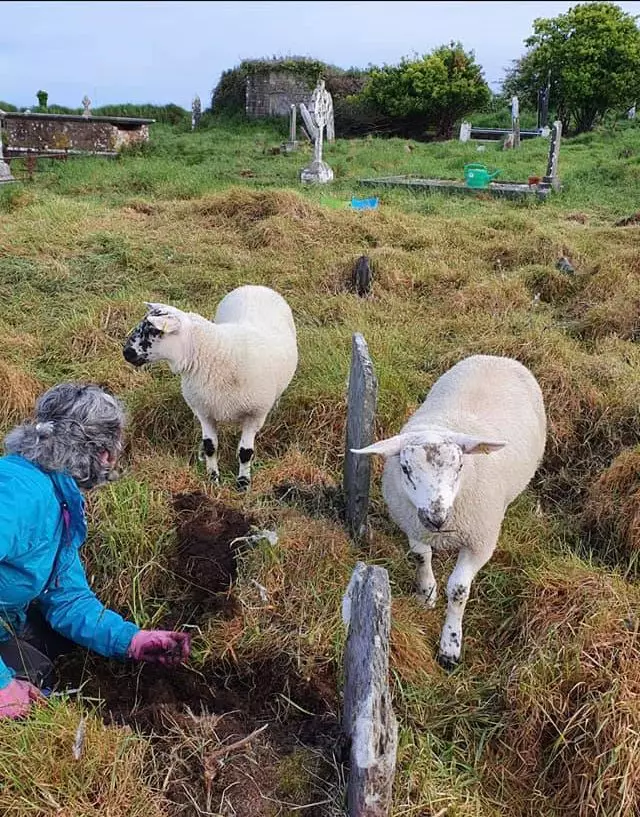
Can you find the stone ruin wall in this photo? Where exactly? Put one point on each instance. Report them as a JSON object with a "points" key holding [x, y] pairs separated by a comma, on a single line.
{"points": [[272, 93]]}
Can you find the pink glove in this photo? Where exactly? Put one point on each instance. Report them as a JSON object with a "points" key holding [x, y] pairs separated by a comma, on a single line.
{"points": [[16, 699], [160, 647]]}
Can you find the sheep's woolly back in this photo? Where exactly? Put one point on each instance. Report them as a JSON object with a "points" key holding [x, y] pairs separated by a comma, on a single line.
{"points": [[257, 306], [241, 363]]}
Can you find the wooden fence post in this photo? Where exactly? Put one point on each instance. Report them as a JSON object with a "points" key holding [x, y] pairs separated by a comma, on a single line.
{"points": [[361, 412], [368, 720]]}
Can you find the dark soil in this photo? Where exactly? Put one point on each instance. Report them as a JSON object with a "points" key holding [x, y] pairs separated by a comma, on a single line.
{"points": [[210, 536], [189, 711]]}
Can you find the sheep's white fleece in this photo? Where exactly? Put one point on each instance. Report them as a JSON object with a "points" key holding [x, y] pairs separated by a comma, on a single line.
{"points": [[237, 366], [491, 398]]}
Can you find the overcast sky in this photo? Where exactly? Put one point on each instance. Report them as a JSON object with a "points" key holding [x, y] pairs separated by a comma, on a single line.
{"points": [[168, 51]]}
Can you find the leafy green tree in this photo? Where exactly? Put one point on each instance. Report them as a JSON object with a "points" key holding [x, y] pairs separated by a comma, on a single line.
{"points": [[591, 55], [435, 90], [43, 99]]}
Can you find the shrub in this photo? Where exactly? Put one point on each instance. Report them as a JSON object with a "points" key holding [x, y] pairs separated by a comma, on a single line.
{"points": [[435, 90]]}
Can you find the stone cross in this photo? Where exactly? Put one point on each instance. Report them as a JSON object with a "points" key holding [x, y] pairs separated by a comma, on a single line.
{"points": [[321, 114], [196, 112], [5, 170], [86, 102], [551, 179], [361, 414]]}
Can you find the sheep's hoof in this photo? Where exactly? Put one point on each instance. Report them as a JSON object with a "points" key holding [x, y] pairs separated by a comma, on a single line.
{"points": [[214, 477], [427, 598], [243, 483], [447, 662]]}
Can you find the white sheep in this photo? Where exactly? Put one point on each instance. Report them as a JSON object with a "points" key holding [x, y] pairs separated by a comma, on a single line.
{"points": [[233, 369], [443, 498]]}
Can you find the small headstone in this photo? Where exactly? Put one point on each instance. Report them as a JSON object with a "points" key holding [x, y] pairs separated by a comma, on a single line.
{"points": [[465, 131], [368, 720], [508, 141], [361, 278], [515, 121], [361, 413], [292, 144], [631, 113], [322, 110], [196, 112], [552, 179], [86, 103]]}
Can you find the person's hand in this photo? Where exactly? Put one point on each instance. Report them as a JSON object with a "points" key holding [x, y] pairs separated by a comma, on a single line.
{"points": [[17, 697], [160, 647]]}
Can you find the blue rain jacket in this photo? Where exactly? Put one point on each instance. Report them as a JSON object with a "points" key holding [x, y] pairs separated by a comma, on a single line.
{"points": [[40, 561]]}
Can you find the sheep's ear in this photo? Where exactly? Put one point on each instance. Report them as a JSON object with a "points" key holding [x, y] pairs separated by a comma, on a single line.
{"points": [[477, 445], [388, 448], [165, 323]]}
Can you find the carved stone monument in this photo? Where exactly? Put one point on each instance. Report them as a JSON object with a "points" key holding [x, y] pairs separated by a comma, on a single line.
{"points": [[292, 144], [5, 170], [86, 103], [320, 116], [196, 112]]}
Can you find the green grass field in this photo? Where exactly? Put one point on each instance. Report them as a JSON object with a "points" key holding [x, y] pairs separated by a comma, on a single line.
{"points": [[543, 715]]}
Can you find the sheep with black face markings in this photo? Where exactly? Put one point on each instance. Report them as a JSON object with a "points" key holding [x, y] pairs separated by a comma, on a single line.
{"points": [[233, 369], [441, 490]]}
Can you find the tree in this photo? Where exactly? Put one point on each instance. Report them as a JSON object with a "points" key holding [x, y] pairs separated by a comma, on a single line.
{"points": [[43, 99], [434, 90], [591, 55]]}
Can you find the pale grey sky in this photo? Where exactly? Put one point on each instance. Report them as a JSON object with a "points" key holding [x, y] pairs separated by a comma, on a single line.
{"points": [[168, 51]]}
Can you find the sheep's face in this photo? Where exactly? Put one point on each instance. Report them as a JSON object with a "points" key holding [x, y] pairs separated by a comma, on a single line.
{"points": [[431, 480], [431, 465], [155, 337]]}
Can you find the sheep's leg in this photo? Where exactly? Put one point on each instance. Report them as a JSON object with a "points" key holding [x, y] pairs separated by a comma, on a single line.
{"points": [[246, 451], [426, 589], [458, 588], [210, 449]]}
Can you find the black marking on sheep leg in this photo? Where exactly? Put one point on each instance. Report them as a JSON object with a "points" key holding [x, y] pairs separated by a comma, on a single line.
{"points": [[209, 447], [243, 483], [245, 455], [447, 662]]}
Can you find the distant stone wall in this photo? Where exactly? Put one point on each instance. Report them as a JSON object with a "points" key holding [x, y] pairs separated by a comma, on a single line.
{"points": [[42, 133], [272, 93]]}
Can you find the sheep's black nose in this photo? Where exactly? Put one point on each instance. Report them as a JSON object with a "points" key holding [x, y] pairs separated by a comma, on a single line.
{"points": [[431, 521], [131, 356]]}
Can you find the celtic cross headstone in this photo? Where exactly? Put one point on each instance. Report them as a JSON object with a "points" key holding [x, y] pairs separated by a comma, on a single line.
{"points": [[321, 116]]}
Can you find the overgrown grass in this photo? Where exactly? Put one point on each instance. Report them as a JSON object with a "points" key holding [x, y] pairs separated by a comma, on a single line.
{"points": [[543, 716]]}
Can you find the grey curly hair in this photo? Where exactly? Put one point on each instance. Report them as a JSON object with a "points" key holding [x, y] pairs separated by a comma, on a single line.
{"points": [[74, 425]]}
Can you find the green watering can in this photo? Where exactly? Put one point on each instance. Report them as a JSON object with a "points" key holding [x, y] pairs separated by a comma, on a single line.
{"points": [[477, 175]]}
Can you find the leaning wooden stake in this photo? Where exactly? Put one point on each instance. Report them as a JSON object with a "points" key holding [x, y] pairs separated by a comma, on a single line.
{"points": [[368, 720], [361, 413]]}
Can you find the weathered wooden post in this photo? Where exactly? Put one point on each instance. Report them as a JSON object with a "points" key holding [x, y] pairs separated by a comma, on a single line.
{"points": [[361, 412], [551, 179], [515, 121], [368, 720]]}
